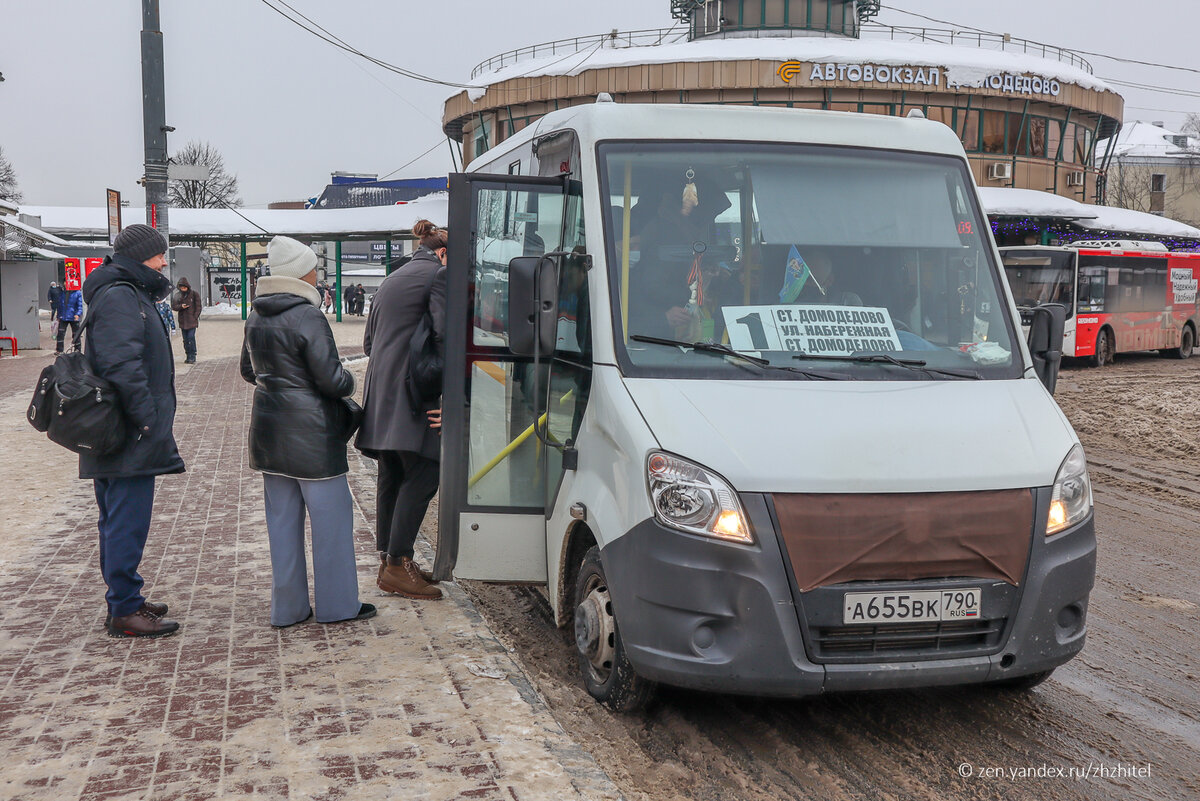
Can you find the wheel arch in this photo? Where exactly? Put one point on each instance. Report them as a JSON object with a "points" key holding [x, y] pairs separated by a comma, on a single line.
{"points": [[576, 542]]}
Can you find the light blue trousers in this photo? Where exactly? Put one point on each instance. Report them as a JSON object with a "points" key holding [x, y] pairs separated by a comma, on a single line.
{"points": [[335, 578]]}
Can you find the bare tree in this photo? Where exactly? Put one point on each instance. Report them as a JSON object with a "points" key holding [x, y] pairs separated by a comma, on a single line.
{"points": [[218, 191], [8, 180], [1191, 125]]}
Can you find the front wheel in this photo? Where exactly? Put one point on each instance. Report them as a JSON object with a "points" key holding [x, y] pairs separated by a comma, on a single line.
{"points": [[607, 673], [1105, 349]]}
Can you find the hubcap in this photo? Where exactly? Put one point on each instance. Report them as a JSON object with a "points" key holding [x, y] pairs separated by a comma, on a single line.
{"points": [[595, 630]]}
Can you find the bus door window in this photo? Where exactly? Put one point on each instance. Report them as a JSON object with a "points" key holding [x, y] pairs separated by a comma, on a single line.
{"points": [[504, 458], [570, 371]]}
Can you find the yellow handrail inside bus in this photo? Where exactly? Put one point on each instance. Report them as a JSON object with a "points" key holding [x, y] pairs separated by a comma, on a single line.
{"points": [[512, 446]]}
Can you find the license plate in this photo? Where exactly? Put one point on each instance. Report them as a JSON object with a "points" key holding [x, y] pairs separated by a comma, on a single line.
{"points": [[917, 606]]}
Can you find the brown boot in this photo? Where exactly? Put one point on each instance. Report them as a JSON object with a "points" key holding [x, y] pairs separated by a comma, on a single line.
{"points": [[142, 623], [383, 560], [402, 577]]}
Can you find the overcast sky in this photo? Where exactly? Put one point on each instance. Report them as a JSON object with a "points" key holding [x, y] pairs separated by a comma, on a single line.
{"points": [[286, 109]]}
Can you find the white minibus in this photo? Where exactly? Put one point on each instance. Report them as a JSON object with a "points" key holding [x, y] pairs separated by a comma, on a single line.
{"points": [[746, 391]]}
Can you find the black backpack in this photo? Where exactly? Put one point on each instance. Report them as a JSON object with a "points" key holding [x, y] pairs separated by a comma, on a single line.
{"points": [[423, 381], [75, 407]]}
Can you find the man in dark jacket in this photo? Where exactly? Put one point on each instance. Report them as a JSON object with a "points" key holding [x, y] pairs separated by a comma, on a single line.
{"points": [[187, 302], [127, 343], [54, 293]]}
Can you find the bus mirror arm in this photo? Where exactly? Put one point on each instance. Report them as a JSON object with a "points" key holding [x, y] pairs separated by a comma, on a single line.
{"points": [[1046, 341]]}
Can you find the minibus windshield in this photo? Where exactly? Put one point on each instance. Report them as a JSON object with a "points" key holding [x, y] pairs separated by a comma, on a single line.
{"points": [[784, 250]]}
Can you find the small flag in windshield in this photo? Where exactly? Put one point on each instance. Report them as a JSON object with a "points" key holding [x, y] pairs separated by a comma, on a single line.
{"points": [[795, 274]]}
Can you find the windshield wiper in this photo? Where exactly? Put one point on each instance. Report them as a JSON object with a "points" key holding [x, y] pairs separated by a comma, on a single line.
{"points": [[916, 365], [725, 350]]}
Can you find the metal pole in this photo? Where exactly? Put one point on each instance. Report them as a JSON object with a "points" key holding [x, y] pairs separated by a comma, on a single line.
{"points": [[154, 119], [388, 258], [338, 279], [245, 288]]}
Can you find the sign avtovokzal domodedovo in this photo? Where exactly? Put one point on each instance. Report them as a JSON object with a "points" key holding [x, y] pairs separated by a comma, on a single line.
{"points": [[929, 78]]}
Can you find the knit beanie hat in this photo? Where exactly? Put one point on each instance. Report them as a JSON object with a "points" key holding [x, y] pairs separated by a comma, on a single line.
{"points": [[287, 257], [139, 242]]}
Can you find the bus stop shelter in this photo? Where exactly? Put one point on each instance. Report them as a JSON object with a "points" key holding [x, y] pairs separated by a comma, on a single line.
{"points": [[88, 226]]}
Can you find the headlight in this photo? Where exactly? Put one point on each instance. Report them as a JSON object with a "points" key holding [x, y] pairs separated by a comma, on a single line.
{"points": [[688, 497], [1071, 498]]}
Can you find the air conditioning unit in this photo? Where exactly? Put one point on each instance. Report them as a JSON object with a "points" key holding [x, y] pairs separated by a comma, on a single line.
{"points": [[1075, 179], [1000, 171]]}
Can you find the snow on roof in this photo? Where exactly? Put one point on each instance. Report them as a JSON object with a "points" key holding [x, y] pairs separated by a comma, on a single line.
{"points": [[34, 233], [1146, 140], [46, 254], [963, 65], [1003, 202], [89, 222]]}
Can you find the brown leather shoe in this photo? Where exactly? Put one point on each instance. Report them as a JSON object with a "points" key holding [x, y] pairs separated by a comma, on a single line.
{"points": [[142, 623], [158, 610], [425, 574], [402, 577]]}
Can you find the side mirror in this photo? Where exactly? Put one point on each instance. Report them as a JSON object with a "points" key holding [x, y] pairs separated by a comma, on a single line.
{"points": [[532, 305], [1046, 341]]}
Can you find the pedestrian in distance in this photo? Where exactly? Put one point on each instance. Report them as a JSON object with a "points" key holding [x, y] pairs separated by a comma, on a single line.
{"points": [[298, 434], [360, 299], [127, 344], [70, 312], [186, 301], [348, 299], [399, 436], [52, 295]]}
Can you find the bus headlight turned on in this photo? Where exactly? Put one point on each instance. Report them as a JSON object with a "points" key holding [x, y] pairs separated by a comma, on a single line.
{"points": [[687, 497], [1071, 497]]}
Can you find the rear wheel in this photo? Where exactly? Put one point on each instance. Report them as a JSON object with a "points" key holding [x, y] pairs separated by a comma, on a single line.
{"points": [[607, 673], [1187, 341], [1105, 349]]}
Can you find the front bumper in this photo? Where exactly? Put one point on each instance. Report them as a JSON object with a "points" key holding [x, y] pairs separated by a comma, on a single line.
{"points": [[700, 613]]}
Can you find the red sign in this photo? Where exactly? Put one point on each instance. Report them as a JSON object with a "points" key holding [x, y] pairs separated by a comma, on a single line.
{"points": [[89, 265], [71, 278], [154, 215]]}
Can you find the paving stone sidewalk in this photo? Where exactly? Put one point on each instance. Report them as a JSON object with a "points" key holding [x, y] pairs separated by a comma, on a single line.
{"points": [[421, 702]]}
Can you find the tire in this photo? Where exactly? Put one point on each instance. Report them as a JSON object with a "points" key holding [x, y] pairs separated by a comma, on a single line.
{"points": [[607, 673], [1022, 683], [1187, 342], [1105, 349]]}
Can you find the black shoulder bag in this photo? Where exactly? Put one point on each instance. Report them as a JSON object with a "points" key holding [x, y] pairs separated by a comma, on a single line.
{"points": [[423, 381], [75, 407]]}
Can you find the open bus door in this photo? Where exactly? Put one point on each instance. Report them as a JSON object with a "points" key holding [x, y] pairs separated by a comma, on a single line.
{"points": [[492, 513]]}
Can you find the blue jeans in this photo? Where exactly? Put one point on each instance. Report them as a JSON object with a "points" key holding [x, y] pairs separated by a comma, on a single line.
{"points": [[189, 342], [125, 507]]}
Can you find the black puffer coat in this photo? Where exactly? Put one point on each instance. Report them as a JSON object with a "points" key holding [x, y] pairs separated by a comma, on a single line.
{"points": [[296, 425], [128, 344]]}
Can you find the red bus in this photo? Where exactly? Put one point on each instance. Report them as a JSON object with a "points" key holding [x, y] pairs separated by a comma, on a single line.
{"points": [[1120, 295]]}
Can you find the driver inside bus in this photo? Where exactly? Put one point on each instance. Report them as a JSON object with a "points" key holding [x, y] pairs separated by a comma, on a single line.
{"points": [[672, 287]]}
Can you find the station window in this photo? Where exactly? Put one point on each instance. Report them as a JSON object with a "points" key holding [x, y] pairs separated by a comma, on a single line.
{"points": [[1158, 182]]}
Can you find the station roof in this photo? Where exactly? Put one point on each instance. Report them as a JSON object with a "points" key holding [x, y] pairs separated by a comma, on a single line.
{"points": [[963, 65], [1003, 202], [373, 222]]}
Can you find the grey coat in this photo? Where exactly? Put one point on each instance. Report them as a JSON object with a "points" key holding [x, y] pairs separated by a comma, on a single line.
{"points": [[389, 422]]}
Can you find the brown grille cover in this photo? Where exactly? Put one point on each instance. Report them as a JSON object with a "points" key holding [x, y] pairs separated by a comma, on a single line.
{"points": [[836, 538]]}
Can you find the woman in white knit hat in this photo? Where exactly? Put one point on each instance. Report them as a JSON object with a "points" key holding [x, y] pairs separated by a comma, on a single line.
{"points": [[298, 432]]}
